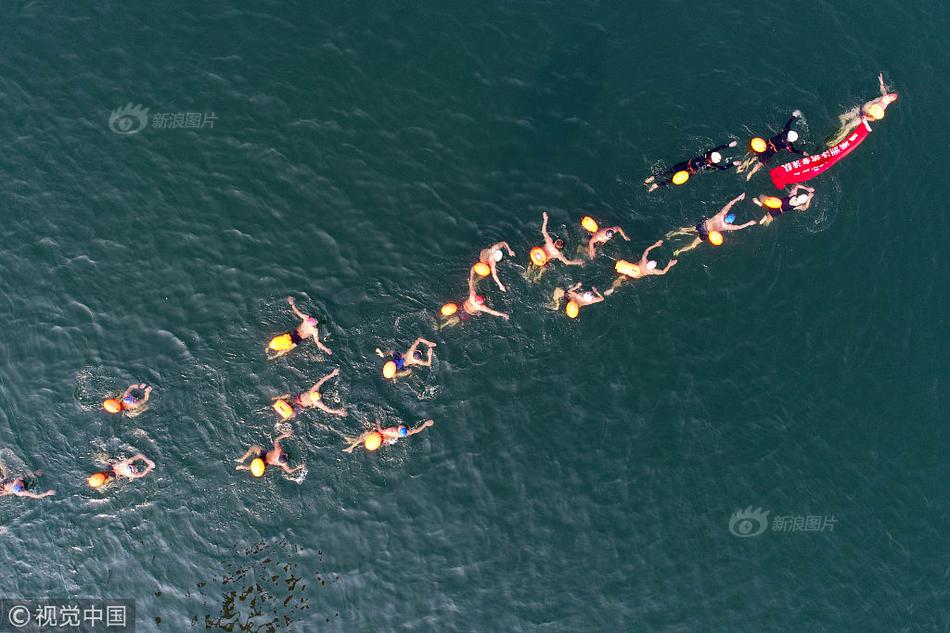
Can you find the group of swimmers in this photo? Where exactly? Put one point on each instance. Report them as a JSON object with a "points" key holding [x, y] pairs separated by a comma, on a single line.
{"points": [[133, 401]]}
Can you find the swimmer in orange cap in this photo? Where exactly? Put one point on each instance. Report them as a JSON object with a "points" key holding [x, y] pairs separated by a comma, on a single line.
{"points": [[873, 110], [388, 436], [309, 399], [491, 256], [20, 486], [798, 198], [643, 268], [711, 230], [277, 456], [602, 236], [133, 401], [762, 151], [399, 364], [287, 341], [552, 248], [575, 299], [121, 468]]}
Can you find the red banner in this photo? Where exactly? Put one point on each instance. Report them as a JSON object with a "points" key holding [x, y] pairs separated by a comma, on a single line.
{"points": [[810, 166]]}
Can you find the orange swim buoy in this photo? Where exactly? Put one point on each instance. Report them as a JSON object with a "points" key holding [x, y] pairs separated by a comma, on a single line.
{"points": [[481, 269], [448, 309], [715, 238], [772, 202], [97, 480], [389, 370], [112, 405], [283, 408], [373, 441], [539, 256], [758, 145]]}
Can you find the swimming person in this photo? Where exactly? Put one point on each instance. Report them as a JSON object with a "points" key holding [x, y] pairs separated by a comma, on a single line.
{"points": [[643, 268], [121, 468], [20, 486], [679, 173], [711, 230], [575, 299], [490, 257], [372, 440], [311, 398], [277, 456], [287, 341], [599, 236], [541, 255], [776, 206], [132, 401], [762, 151], [398, 364], [873, 110], [472, 306]]}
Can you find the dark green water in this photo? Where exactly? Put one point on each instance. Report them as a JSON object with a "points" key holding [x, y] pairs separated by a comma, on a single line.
{"points": [[581, 475]]}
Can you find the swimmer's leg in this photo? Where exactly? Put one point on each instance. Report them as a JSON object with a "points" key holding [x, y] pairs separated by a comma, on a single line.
{"points": [[753, 171], [613, 286], [555, 303], [695, 243]]}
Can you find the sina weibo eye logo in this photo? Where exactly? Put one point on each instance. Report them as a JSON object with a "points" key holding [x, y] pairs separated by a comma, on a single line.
{"points": [[747, 523], [128, 119]]}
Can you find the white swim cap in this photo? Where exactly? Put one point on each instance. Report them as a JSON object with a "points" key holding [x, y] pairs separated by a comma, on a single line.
{"points": [[715, 157], [792, 136], [497, 256], [800, 199], [651, 264], [588, 296]]}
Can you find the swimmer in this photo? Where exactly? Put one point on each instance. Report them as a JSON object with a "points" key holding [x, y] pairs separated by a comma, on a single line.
{"points": [[602, 236], [776, 206], [873, 110], [132, 401], [711, 230], [289, 340], [541, 255], [309, 399], [762, 151], [388, 436], [681, 172], [20, 486], [398, 364], [575, 299], [643, 268], [472, 306], [277, 456], [122, 468], [491, 256]]}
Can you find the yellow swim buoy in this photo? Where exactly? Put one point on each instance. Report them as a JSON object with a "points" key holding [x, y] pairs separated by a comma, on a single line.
{"points": [[97, 480], [758, 145], [715, 238], [626, 268], [111, 405], [389, 370], [589, 224], [772, 202], [258, 467], [539, 256], [572, 309], [875, 112], [373, 441], [281, 343], [680, 177], [481, 269], [448, 309], [283, 408]]}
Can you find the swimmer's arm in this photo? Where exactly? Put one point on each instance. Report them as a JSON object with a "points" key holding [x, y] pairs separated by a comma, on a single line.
{"points": [[320, 345], [795, 150], [340, 412], [746, 225], [569, 262], [591, 251], [33, 495], [149, 465], [544, 224], [283, 396], [290, 470], [420, 428], [471, 284], [293, 306], [731, 203], [880, 80], [656, 244], [316, 386], [792, 120], [494, 275], [597, 296], [669, 265], [622, 234], [504, 245], [128, 391], [493, 312]]}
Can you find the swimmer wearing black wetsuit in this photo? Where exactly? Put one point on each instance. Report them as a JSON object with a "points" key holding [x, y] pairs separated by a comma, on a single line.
{"points": [[710, 160], [763, 151]]}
